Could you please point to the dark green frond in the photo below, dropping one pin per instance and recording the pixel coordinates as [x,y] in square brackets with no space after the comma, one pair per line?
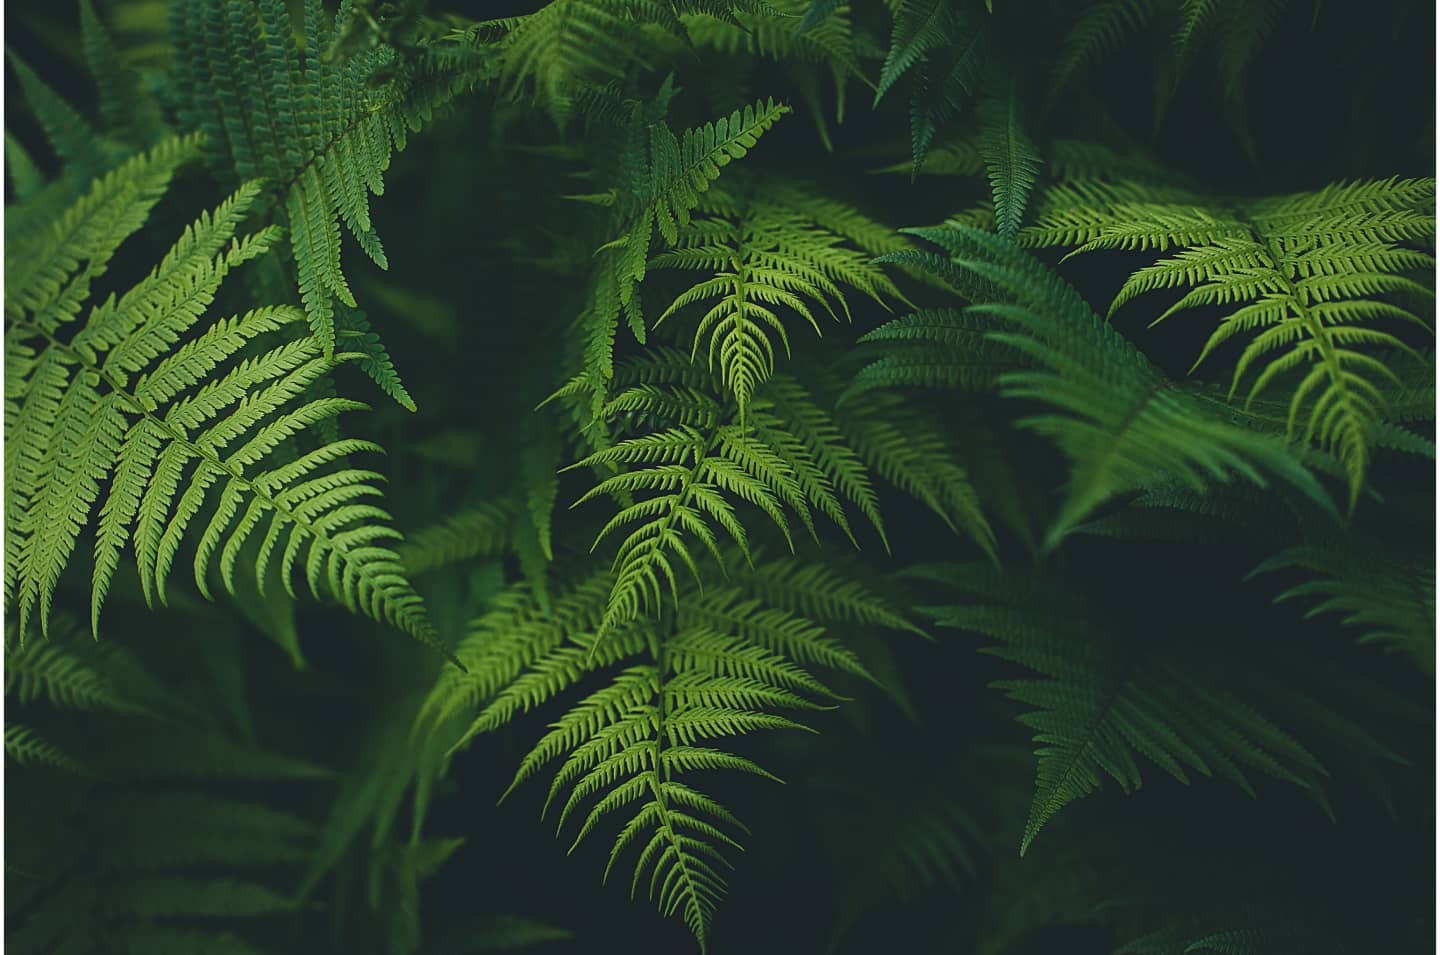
[319,131]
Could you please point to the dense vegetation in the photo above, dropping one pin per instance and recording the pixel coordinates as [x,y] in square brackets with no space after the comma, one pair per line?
[1007,422]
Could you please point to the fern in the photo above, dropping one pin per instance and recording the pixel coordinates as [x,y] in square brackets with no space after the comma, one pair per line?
[1305,276]
[138,852]
[768,255]
[1392,600]
[805,46]
[1096,33]
[671,176]
[695,473]
[320,133]
[947,52]
[721,665]
[1104,695]
[1122,424]
[1011,161]
[126,396]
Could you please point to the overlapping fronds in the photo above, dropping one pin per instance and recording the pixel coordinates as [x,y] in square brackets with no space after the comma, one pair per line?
[1306,278]
[807,47]
[938,42]
[1107,690]
[724,664]
[690,481]
[319,129]
[768,254]
[1391,600]
[131,400]
[133,849]
[1123,425]
[569,45]
[908,446]
[668,179]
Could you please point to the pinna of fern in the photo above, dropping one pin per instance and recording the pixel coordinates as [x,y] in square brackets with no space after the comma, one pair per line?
[724,663]
[1306,278]
[142,399]
[1121,423]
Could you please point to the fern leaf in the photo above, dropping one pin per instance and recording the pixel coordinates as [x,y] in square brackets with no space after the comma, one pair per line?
[1302,276]
[1391,601]
[722,666]
[765,257]
[1123,425]
[1011,161]
[1102,697]
[320,132]
[121,398]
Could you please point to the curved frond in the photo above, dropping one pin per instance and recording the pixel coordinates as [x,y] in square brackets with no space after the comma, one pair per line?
[1121,423]
[1304,279]
[319,129]
[175,420]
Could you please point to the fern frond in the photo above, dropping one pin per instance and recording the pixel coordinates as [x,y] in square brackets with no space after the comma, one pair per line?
[688,484]
[723,665]
[131,397]
[1097,32]
[476,532]
[919,26]
[28,748]
[1303,277]
[673,174]
[1011,160]
[946,52]
[320,133]
[1122,424]
[767,256]
[1103,695]
[1392,601]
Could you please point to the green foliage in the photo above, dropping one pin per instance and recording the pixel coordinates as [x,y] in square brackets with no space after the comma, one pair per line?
[777,251]
[118,398]
[1121,423]
[1306,276]
[672,565]
[1392,599]
[319,130]
[946,50]
[724,663]
[1106,693]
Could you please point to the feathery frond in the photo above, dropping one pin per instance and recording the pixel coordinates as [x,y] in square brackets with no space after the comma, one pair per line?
[697,474]
[1011,161]
[722,665]
[768,254]
[1304,277]
[131,396]
[1121,423]
[1104,693]
[1391,600]
[319,131]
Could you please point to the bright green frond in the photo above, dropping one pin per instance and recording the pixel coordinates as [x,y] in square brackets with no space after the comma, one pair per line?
[130,402]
